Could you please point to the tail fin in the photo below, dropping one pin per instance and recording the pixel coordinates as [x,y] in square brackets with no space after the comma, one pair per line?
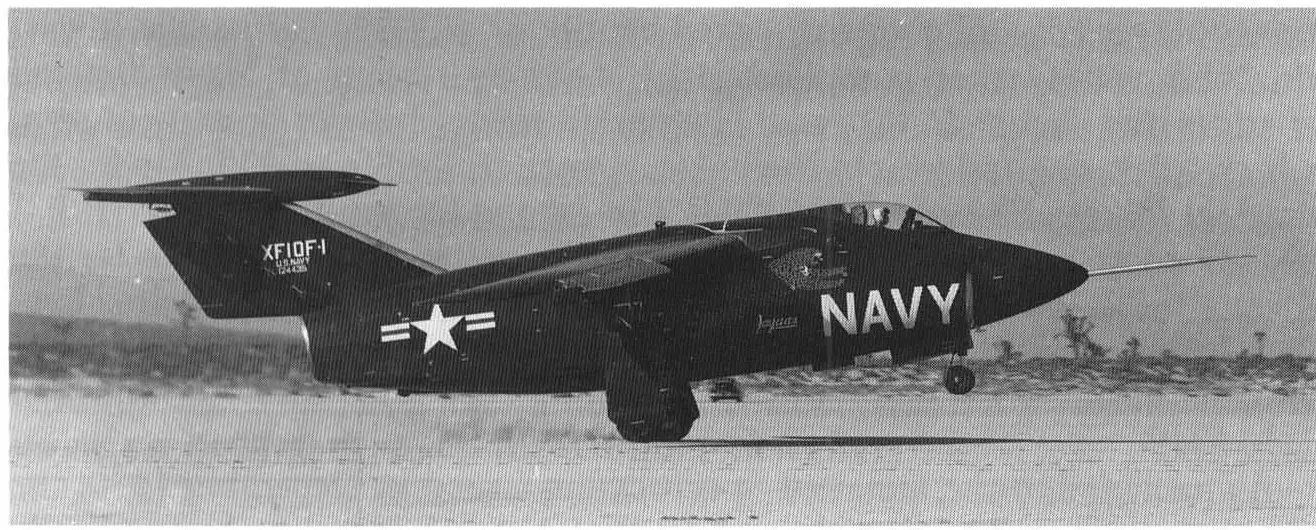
[244,249]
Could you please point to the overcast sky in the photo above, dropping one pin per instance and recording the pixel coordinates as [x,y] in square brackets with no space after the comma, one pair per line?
[1107,137]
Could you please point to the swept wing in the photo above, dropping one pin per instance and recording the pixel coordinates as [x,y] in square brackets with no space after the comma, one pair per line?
[617,268]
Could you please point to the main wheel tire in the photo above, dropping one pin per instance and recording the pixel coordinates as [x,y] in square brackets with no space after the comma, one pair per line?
[636,432]
[959,380]
[674,433]
[643,432]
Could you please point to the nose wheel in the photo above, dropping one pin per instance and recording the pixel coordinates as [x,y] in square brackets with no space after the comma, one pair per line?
[959,379]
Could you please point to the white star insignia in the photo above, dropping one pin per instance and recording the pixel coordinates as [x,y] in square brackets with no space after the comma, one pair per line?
[438,329]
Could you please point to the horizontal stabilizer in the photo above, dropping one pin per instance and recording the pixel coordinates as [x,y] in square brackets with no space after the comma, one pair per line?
[177,194]
[261,186]
[1161,265]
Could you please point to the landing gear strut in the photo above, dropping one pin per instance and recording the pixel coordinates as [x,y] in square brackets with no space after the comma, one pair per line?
[959,379]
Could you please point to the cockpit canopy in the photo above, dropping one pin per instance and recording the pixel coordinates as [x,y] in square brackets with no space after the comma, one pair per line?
[889,216]
[871,215]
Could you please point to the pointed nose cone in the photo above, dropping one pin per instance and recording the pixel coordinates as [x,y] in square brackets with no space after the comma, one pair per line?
[1052,277]
[1010,279]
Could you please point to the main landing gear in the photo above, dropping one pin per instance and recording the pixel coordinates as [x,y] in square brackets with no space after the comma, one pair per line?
[649,400]
[671,422]
[959,379]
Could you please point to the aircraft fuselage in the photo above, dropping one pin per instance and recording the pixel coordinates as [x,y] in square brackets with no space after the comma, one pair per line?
[815,295]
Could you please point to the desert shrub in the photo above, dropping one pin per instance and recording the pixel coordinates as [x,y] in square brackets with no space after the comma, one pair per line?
[1075,329]
[1131,354]
[1008,353]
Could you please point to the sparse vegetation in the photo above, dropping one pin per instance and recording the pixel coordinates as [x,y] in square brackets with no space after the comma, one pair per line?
[186,313]
[1132,348]
[1008,353]
[1132,351]
[1189,376]
[145,360]
[53,348]
[1075,330]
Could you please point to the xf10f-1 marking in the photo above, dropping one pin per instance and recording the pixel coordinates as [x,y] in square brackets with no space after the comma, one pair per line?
[294,249]
[875,309]
[293,257]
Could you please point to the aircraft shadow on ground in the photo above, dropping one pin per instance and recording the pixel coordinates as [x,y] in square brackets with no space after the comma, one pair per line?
[878,441]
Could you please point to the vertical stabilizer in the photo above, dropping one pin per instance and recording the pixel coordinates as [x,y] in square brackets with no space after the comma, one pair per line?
[244,250]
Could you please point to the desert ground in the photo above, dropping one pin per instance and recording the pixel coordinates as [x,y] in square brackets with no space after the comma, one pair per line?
[422,460]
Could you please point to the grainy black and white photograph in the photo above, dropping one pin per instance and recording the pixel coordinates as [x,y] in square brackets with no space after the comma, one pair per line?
[662,266]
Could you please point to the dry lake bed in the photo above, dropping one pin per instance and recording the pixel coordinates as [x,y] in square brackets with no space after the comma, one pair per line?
[425,460]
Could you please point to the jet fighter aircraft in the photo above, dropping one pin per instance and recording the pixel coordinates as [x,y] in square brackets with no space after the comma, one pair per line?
[638,316]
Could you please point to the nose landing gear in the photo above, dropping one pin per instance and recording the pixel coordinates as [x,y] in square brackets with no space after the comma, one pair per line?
[959,379]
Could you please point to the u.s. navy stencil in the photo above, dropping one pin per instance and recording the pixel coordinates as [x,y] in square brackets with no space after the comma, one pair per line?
[293,257]
[875,311]
[638,316]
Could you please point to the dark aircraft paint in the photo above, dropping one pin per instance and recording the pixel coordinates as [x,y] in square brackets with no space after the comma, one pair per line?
[638,316]
[260,186]
[551,340]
